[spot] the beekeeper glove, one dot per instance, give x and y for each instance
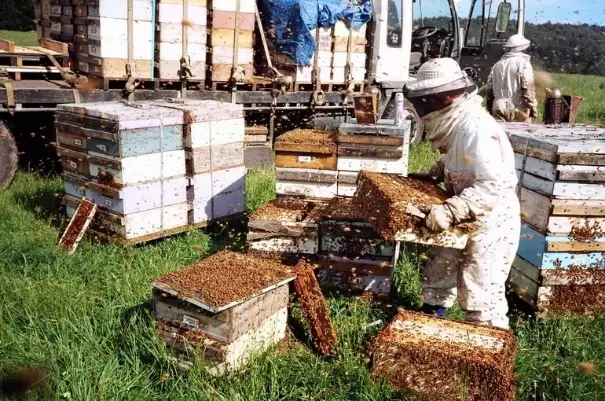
(439, 218)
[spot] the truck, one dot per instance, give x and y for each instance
(400, 36)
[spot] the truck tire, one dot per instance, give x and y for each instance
(417, 129)
(9, 157)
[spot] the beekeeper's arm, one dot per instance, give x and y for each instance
(477, 200)
(528, 86)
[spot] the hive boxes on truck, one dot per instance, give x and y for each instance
(115, 35)
(232, 39)
(560, 265)
(182, 26)
(226, 309)
(130, 160)
(439, 359)
(381, 147)
(306, 164)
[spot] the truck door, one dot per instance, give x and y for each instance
(391, 42)
(490, 24)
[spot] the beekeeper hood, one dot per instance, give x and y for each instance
(517, 43)
(443, 95)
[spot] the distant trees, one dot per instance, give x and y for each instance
(17, 15)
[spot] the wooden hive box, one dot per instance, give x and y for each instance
(285, 226)
(306, 164)
(232, 38)
(380, 148)
(353, 256)
(383, 199)
(347, 183)
(121, 144)
(353, 50)
(575, 289)
(111, 41)
(439, 359)
(225, 308)
(182, 33)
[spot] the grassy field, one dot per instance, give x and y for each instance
(86, 319)
(20, 38)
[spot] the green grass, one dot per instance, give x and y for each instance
(87, 320)
(590, 88)
(20, 38)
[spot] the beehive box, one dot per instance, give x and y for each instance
(225, 308)
(383, 199)
(285, 226)
(349, 45)
(562, 194)
(112, 38)
(306, 164)
(383, 147)
(232, 31)
(439, 359)
(182, 34)
(217, 194)
(353, 256)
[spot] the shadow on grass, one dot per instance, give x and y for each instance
(47, 204)
(128, 339)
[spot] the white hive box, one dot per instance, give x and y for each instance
(182, 33)
(217, 194)
(108, 41)
(197, 318)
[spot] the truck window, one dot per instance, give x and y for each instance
(394, 28)
(432, 13)
(491, 12)
(474, 33)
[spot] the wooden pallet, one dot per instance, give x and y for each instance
(22, 62)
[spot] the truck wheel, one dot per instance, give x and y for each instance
(9, 157)
(417, 129)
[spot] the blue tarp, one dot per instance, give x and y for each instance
(293, 20)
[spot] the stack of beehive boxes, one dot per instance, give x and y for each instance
(306, 164)
(153, 168)
(353, 257)
(228, 50)
(226, 308)
(182, 34)
(381, 148)
(214, 146)
(353, 50)
(304, 74)
(56, 14)
(560, 265)
(103, 43)
(43, 20)
(128, 160)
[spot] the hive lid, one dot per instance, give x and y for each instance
(197, 111)
(224, 280)
(575, 139)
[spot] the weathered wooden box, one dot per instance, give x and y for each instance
(285, 226)
(445, 360)
(379, 148)
(308, 183)
(225, 309)
(217, 194)
(182, 34)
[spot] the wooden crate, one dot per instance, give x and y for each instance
(436, 358)
(173, 30)
(306, 182)
(140, 226)
(22, 62)
(576, 289)
(285, 226)
(226, 326)
(371, 275)
(130, 199)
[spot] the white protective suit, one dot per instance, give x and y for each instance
(512, 82)
(478, 170)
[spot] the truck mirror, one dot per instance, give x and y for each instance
(503, 17)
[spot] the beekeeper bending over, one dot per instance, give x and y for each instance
(478, 169)
(511, 83)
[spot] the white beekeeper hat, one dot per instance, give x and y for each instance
(438, 76)
(517, 43)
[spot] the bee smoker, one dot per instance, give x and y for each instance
(553, 107)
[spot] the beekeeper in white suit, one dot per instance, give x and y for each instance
(511, 83)
(478, 169)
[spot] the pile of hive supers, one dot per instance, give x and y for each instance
(560, 264)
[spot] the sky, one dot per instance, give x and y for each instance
(538, 11)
